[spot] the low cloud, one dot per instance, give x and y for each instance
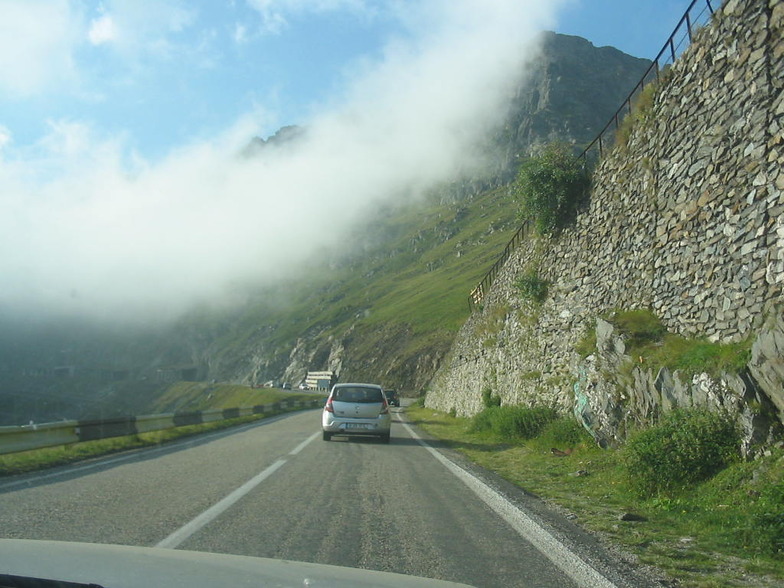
(92, 229)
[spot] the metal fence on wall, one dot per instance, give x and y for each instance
(698, 14)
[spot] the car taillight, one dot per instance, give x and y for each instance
(384, 407)
(328, 406)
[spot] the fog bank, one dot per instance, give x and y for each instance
(90, 228)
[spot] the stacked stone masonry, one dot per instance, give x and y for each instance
(684, 220)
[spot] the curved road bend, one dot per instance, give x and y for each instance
(275, 489)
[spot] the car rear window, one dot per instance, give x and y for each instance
(357, 394)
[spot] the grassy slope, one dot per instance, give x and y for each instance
(193, 396)
(413, 281)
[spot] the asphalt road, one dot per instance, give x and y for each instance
(276, 489)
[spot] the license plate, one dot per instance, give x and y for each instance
(356, 426)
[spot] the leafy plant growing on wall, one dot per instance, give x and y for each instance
(532, 287)
(551, 187)
(489, 399)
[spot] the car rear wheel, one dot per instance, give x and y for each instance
(326, 436)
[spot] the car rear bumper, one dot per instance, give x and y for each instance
(357, 426)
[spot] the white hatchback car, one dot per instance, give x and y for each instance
(356, 409)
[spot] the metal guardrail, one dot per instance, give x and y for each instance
(697, 14)
(37, 436)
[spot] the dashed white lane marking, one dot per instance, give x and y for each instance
(304, 444)
(563, 558)
(209, 515)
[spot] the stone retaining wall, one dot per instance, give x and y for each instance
(685, 220)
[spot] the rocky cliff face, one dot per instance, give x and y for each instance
(571, 90)
(685, 220)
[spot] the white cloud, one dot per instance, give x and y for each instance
(102, 30)
(137, 27)
(91, 229)
(37, 39)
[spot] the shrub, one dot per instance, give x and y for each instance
(564, 432)
(686, 447)
(551, 187)
(489, 399)
(513, 422)
(532, 287)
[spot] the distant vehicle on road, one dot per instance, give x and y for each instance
(356, 409)
(392, 397)
(285, 386)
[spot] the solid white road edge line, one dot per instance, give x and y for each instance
(563, 558)
(217, 509)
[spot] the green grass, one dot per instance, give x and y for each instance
(647, 340)
(408, 277)
(641, 113)
(192, 396)
(723, 532)
(511, 422)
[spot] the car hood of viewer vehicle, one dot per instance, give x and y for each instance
(117, 566)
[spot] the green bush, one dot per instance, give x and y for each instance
(512, 422)
(532, 287)
(686, 447)
(489, 399)
(551, 187)
(564, 432)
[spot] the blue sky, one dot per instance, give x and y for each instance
(161, 73)
(121, 120)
